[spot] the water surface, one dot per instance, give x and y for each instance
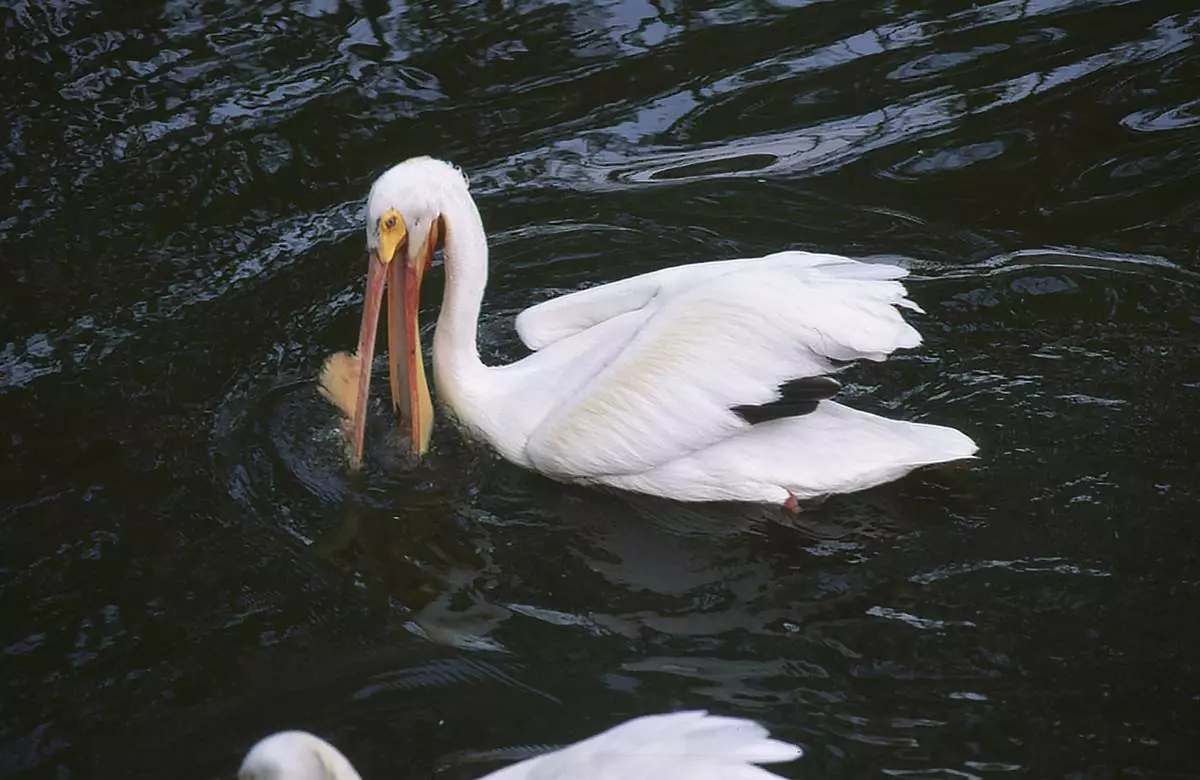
(187, 566)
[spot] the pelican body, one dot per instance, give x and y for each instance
(691, 745)
(703, 382)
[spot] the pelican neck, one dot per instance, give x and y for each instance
(465, 262)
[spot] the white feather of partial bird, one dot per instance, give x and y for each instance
(686, 745)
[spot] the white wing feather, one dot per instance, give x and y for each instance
(716, 338)
(567, 315)
(692, 745)
(832, 449)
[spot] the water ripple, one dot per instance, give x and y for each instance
(187, 561)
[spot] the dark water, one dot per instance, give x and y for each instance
(184, 564)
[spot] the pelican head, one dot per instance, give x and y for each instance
(404, 228)
(295, 755)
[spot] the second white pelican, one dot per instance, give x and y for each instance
(703, 382)
(691, 745)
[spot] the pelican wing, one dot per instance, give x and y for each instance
(711, 341)
(568, 315)
(692, 745)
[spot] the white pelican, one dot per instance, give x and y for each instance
(703, 382)
(692, 745)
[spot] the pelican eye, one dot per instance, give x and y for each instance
(390, 224)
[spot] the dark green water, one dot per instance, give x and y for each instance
(184, 565)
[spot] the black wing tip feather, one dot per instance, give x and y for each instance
(796, 397)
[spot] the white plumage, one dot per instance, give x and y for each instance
(692, 745)
(634, 384)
